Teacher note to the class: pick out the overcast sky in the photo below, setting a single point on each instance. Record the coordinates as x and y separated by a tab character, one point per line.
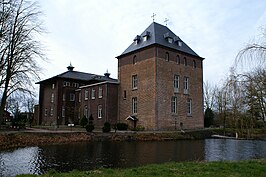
91	33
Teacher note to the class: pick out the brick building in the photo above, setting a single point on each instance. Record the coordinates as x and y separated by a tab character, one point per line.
58	98
160	83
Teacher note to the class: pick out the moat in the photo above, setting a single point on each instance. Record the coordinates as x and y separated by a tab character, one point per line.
91	155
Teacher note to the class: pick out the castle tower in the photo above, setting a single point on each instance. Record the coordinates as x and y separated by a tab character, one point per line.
161	81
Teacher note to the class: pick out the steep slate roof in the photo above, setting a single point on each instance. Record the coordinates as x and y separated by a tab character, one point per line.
80	76
158	35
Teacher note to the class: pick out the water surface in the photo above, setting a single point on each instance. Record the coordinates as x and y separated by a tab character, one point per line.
90	155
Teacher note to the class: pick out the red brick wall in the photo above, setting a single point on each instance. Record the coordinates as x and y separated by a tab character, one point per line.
108	102
155	89
166	72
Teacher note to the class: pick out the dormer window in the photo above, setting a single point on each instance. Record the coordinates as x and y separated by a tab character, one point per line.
146	36
168	38
178	41
137	39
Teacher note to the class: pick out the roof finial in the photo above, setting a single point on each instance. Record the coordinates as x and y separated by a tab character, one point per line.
70	67
165	21
153	15
107	74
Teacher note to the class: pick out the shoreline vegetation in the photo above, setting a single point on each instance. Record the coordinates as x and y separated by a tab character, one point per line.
37	137
249	168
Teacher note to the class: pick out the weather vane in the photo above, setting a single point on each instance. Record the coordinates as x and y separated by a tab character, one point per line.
153	15
165	21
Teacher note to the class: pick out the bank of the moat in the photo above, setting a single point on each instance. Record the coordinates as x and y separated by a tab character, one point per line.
15	139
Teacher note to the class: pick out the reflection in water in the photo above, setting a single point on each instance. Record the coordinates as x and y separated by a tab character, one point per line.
228	149
90	155
20	161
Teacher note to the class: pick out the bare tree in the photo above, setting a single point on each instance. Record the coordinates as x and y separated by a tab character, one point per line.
209	95
253	53
20	50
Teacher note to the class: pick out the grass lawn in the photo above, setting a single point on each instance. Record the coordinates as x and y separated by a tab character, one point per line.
249	168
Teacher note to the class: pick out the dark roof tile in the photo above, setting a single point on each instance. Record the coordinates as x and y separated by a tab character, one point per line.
159	34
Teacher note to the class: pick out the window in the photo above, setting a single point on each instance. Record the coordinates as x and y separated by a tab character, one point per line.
174	105
185	61
66	84
79	96
134	82
189	107
186	85
100	111
134	105
100	92
45	112
75	85
53	86
72	97
134	59
170	40
125	94
178	59
86	94
64	97
52	98
92	93
166	56
52	111
145	38
194	64
63	111
86	111
176	83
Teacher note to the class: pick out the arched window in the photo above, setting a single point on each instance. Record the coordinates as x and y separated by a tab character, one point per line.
166	56
178	59
134	59
194	64
185	61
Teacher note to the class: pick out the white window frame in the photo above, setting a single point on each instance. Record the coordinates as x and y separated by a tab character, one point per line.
93	94
53	86
178	59
134	105
51	111
174	105
167	56
100	95
86	94
45	112
176	83
100	111
52	97
86	111
72	97
63	111
79	97
66	84
135	82
189	107
64	97
186	85
185	61
194	64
